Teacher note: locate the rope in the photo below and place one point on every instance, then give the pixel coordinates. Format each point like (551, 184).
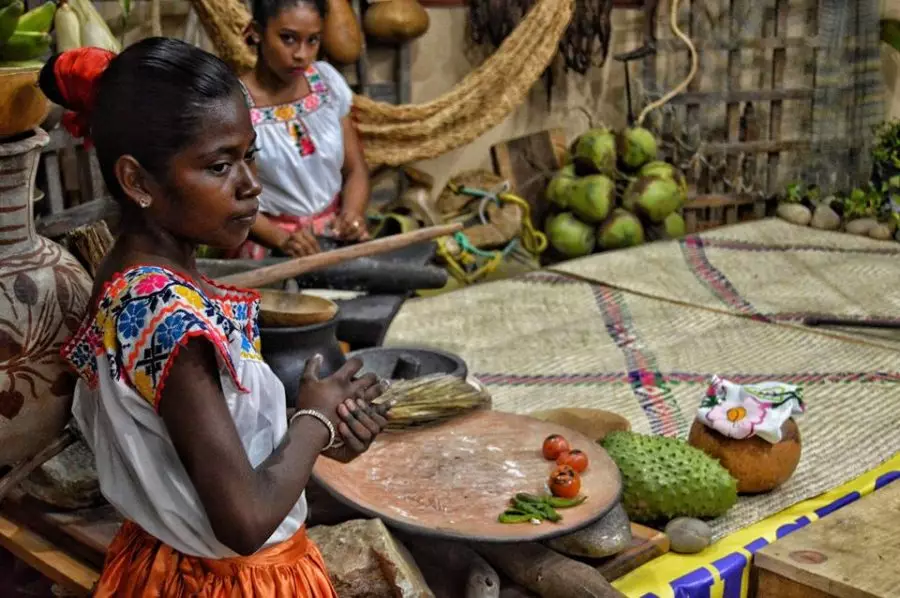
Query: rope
(695, 65)
(530, 239)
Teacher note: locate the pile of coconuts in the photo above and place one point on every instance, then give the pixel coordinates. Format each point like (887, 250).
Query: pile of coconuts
(614, 193)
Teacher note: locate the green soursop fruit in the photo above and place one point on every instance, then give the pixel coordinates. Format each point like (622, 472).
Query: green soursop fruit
(664, 478)
(636, 147)
(595, 153)
(560, 188)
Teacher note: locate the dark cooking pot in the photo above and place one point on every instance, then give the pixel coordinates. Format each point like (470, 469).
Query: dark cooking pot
(287, 349)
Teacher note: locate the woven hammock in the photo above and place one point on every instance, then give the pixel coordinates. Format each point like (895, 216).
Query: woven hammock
(394, 135)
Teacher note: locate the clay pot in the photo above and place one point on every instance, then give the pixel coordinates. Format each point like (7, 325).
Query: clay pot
(44, 293)
(287, 349)
(23, 105)
(757, 465)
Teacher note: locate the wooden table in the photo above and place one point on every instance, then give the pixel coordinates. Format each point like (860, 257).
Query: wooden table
(853, 553)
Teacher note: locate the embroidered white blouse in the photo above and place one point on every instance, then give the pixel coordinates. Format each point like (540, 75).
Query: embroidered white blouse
(301, 146)
(123, 354)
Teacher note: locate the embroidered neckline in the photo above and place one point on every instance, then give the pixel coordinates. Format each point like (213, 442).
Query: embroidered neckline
(291, 111)
(239, 307)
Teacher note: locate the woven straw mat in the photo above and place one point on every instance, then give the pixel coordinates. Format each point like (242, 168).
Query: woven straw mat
(770, 268)
(543, 341)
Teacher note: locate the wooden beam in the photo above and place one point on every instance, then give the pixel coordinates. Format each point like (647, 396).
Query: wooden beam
(47, 559)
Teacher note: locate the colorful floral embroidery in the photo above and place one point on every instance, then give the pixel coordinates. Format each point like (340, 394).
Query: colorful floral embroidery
(147, 314)
(737, 419)
(301, 137)
(287, 113)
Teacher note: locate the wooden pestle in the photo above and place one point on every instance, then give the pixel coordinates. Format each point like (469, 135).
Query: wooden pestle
(291, 268)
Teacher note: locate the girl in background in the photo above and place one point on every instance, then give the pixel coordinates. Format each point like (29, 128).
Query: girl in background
(197, 452)
(311, 165)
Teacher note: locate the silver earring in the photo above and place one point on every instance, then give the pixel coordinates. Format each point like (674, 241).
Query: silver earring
(144, 203)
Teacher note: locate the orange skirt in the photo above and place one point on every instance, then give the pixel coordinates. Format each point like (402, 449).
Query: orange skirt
(138, 566)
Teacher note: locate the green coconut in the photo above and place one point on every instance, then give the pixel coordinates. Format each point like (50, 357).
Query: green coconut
(560, 188)
(570, 236)
(653, 198)
(636, 147)
(621, 229)
(664, 170)
(593, 197)
(595, 153)
(673, 227)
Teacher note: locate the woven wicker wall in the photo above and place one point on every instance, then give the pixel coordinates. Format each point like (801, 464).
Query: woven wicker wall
(787, 90)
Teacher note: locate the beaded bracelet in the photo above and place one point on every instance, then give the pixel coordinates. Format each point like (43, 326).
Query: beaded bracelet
(332, 434)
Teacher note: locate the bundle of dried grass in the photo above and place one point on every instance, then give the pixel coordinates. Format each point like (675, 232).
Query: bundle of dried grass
(90, 244)
(430, 400)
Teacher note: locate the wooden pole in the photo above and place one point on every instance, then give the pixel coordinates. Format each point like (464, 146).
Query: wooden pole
(269, 274)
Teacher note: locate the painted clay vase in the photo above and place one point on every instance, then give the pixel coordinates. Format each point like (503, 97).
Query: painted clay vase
(44, 293)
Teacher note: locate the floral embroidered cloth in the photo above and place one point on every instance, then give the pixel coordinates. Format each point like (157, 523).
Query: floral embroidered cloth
(741, 411)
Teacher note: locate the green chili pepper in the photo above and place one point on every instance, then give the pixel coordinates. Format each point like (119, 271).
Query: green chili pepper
(513, 518)
(530, 508)
(550, 513)
(525, 497)
(565, 503)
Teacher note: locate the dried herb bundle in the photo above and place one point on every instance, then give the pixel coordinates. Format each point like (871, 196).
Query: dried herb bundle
(587, 37)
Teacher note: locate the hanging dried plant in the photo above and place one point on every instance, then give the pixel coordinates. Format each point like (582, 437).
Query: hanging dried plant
(585, 43)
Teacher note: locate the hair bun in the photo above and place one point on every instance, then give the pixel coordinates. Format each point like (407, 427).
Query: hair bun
(71, 79)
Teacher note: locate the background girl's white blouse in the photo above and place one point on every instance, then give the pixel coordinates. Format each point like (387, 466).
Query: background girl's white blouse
(301, 146)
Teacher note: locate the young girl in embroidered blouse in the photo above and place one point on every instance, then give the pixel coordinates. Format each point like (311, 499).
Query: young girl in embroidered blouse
(196, 452)
(311, 165)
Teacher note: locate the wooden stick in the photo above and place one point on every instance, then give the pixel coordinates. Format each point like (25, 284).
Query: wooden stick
(882, 324)
(269, 274)
(24, 468)
(548, 573)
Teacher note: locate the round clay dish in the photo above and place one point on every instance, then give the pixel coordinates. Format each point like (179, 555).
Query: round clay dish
(453, 480)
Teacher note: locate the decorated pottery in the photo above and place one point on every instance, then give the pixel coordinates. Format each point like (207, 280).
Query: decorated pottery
(44, 292)
(23, 105)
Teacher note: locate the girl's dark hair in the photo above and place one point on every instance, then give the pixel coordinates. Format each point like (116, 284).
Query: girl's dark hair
(263, 10)
(149, 103)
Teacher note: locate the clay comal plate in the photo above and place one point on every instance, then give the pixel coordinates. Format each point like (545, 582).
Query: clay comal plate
(453, 480)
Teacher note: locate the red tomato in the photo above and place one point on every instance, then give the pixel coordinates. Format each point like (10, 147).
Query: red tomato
(553, 446)
(575, 459)
(565, 482)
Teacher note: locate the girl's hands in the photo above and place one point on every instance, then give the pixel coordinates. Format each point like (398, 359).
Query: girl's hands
(361, 424)
(346, 402)
(300, 243)
(350, 226)
(326, 395)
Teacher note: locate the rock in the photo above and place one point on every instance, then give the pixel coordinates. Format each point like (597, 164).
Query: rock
(365, 561)
(68, 480)
(794, 213)
(824, 218)
(611, 535)
(688, 535)
(881, 232)
(593, 423)
(860, 226)
(756, 464)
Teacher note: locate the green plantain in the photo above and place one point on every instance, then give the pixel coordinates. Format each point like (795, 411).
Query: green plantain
(25, 45)
(38, 19)
(9, 17)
